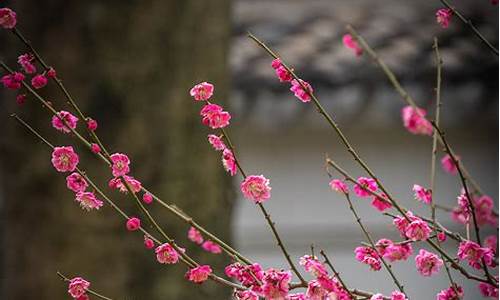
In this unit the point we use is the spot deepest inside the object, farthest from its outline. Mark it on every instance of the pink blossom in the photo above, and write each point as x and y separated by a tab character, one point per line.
91	124
51	73
21	99
313	265
428	263
315	291
229	162
120	165
148	242
422	194
147	198
368	256
39	81
474	254
12	81
401	222
166	254
195	236
488	290
377	297
443	17
78	287
449	165
256	188
415	121
95	148
245	295
398	296
397	252
26	62
339	186
275	284
300	92
364	184
418	230
382	245
133	224
211	247
8	18
64	159
247	275
283	74
88	201
216	142
116	183
202	91
199	274
483	207
351	43
451	293
441	236
276	63
381	203
491	242
62	118
76	182
214	117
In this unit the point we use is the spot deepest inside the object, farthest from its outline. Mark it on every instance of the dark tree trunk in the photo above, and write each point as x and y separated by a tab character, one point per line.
130	65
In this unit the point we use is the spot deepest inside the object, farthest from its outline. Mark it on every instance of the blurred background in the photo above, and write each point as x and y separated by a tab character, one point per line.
130	64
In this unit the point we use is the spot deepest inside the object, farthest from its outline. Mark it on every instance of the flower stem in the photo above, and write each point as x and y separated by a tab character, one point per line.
337	274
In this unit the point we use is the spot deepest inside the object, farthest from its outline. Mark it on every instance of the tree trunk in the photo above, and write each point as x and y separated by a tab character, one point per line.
130	65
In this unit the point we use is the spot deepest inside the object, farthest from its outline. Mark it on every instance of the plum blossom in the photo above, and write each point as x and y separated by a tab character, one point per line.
211	247
148	242
275	284
363	184
245	295
422	194
12	81
214	117
134	184
491	242
449	165
315	291
78	287
392	251
483	207
120	165
377	297
441	236
133	224
21	99
91	124
8	18
418	230
202	91
247	275
76	182
474	254
88	201
313	265
299	91
398	296
147	198
443	17
368	256
51	73
351	43
195	236
26	62
451	293
381	203
488	290
62	118
199	274
166	254
216	142
229	162
95	148
256	188
281	71
39	81
339	186
64	159
428	263
415	121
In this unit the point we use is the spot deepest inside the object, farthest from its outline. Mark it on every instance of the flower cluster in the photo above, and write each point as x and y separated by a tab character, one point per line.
412	227
393	251
483	208
475	254
368	256
196	237
428	263
300	88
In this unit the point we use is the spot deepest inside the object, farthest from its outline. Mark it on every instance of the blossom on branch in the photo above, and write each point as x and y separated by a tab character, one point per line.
256	188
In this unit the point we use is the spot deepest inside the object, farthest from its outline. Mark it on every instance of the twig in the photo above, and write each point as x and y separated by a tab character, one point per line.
337	274
64	278
471	26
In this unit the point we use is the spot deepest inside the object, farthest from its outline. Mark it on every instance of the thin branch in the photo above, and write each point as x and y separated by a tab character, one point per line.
337	274
471	26
66	279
